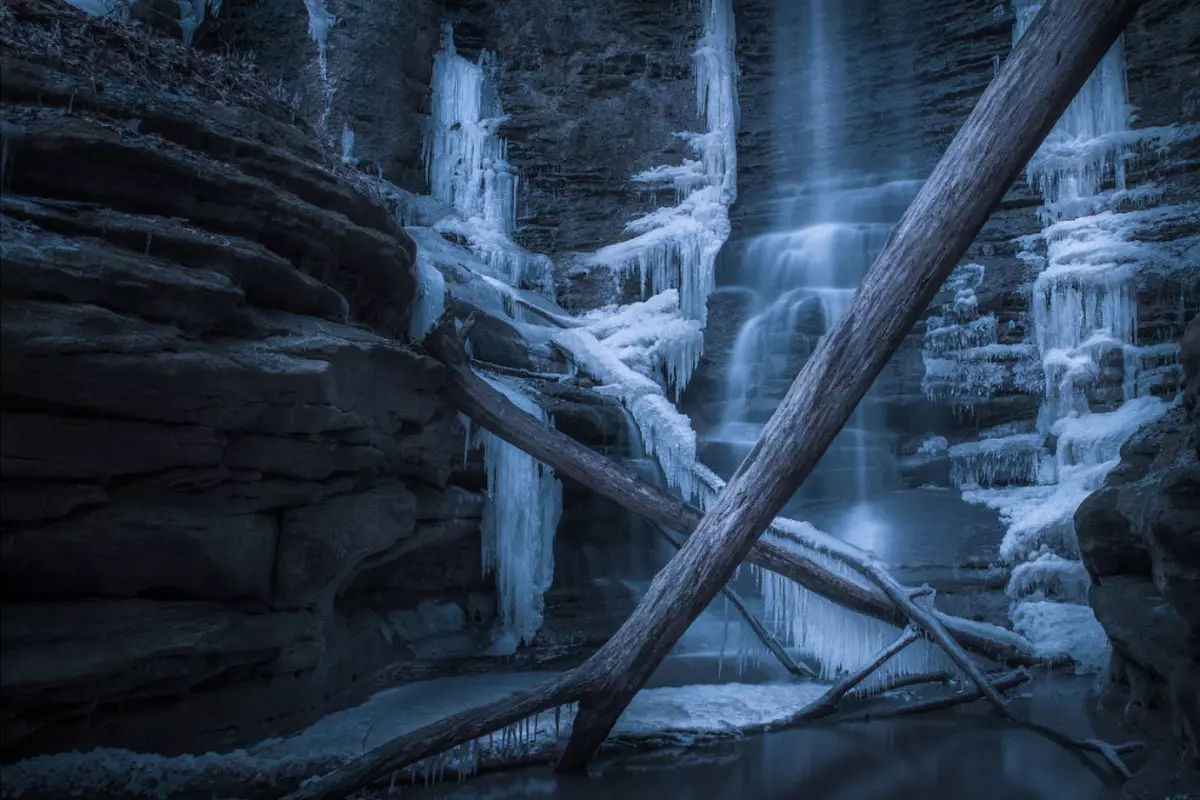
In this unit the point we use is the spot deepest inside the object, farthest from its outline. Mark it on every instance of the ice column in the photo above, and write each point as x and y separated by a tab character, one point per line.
465	161
519	523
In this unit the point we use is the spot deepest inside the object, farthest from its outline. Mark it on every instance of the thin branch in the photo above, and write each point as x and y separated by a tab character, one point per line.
1003	683
770	642
827	703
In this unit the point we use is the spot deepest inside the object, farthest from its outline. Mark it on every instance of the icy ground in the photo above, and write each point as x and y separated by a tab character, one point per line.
676	714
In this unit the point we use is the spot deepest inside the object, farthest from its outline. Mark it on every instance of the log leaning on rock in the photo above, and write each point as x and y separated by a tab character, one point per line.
1046	69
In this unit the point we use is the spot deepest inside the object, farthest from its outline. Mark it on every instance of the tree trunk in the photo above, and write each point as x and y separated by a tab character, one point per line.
490	409
1034	86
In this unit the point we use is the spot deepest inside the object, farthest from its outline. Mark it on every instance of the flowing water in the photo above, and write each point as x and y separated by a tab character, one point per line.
827	218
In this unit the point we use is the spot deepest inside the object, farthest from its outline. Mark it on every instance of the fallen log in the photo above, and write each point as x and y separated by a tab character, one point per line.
1046	69
1002	683
490	409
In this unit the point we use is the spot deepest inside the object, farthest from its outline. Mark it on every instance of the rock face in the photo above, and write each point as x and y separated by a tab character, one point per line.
233	497
1140	539
213	432
378	61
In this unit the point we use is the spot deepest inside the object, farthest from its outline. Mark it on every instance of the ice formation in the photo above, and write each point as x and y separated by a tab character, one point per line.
666	434
652	338
519	523
839	639
1083	320
431	298
964	363
676	248
467	168
1010	460
676	715
320	23
465	160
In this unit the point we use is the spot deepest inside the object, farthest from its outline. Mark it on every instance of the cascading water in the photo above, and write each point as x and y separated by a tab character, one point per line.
830	219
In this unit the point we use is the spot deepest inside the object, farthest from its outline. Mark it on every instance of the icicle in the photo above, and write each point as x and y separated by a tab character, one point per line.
465	162
348	147
519	523
431	302
676	248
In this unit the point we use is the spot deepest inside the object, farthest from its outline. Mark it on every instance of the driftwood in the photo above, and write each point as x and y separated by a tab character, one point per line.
1003	683
1046	69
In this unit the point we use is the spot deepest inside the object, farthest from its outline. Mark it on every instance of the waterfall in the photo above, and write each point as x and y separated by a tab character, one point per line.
831	216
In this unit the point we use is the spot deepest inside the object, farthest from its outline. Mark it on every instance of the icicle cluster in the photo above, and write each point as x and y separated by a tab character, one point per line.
666	434
1004	461
465	160
466	164
519	523
1083	310
1084	150
676	248
964	364
652	338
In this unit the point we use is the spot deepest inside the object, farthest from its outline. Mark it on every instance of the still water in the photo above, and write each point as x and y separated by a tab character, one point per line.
944	756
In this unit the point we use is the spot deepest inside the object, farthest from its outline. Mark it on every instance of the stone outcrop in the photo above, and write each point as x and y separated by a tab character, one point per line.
214	436
1139	536
233	498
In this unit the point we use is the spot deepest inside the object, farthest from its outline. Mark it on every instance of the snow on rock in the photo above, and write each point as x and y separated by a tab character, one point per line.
1055	628
934	445
678	714
1050	577
1089	439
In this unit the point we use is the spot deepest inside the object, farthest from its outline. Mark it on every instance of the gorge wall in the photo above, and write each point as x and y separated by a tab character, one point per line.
233	498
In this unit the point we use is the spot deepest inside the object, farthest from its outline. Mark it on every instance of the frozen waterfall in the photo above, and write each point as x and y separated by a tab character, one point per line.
1083	317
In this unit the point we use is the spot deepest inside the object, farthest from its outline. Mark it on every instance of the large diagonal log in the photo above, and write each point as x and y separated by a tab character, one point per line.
1046	69
490	409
